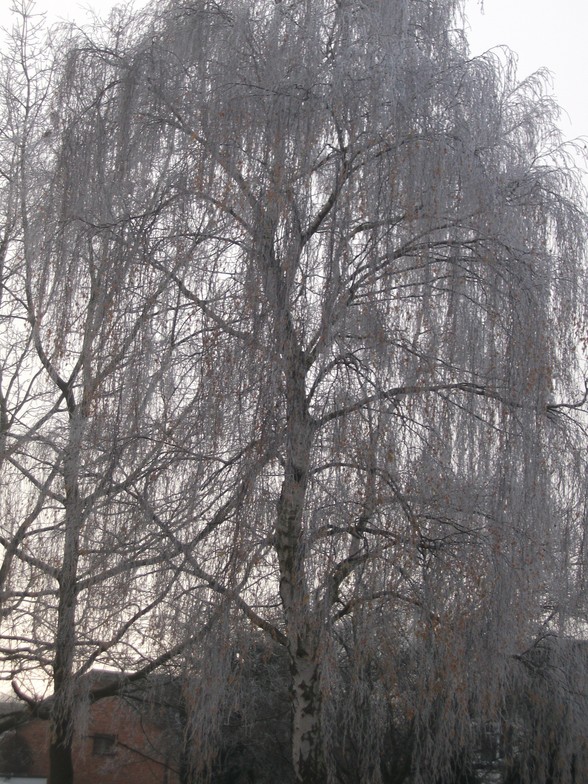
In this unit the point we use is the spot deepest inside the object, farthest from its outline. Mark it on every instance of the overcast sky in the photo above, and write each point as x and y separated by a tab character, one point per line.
542	32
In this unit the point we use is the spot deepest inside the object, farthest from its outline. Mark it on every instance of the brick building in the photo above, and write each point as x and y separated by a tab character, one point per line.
124	740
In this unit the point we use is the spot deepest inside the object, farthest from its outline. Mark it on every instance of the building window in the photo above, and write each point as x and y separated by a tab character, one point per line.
104	745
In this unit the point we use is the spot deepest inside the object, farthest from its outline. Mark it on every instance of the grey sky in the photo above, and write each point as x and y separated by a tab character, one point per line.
542	33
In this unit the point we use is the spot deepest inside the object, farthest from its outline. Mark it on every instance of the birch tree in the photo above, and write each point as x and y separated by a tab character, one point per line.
391	263
362	253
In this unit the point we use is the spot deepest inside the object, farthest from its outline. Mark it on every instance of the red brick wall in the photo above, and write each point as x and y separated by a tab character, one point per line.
35	734
140	753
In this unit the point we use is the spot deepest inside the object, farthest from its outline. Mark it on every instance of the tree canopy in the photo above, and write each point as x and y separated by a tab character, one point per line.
293	316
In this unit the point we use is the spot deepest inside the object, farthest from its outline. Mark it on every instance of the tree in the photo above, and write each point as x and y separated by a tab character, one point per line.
88	423
359	262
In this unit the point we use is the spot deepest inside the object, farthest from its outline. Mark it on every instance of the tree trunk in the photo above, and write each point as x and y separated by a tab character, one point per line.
301	630
62	715
307	747
60	751
307	752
